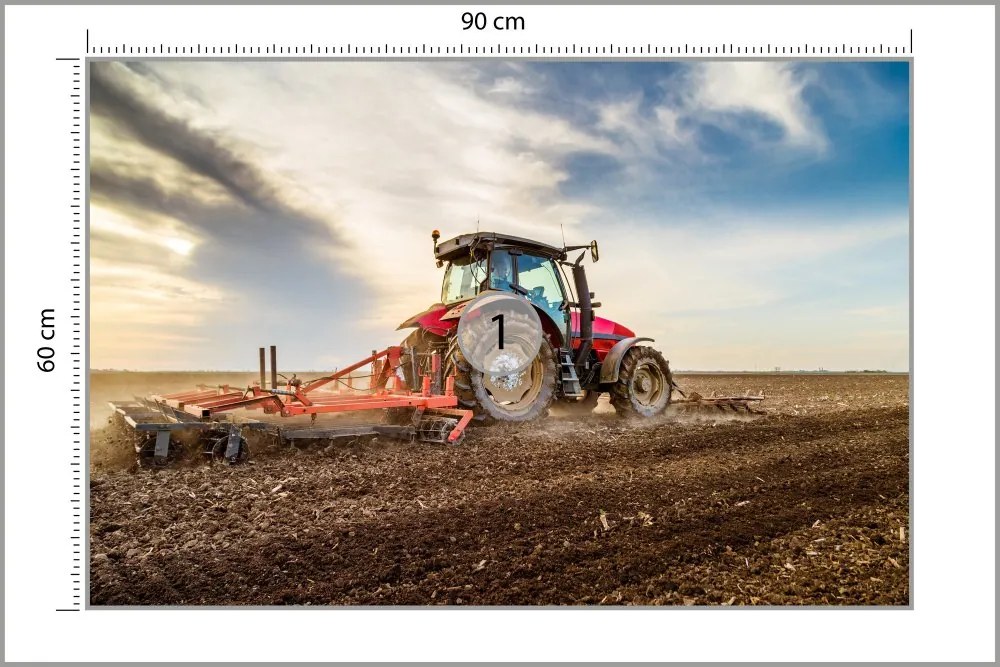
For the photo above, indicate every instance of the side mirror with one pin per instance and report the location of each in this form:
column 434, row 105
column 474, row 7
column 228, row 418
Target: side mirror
column 594, row 254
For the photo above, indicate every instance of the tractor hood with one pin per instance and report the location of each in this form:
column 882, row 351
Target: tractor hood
column 438, row 320
column 430, row 320
column 603, row 328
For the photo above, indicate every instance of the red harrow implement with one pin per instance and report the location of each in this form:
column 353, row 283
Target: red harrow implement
column 694, row 402
column 429, row 415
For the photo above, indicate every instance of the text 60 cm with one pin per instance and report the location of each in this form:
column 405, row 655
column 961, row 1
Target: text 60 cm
column 48, row 332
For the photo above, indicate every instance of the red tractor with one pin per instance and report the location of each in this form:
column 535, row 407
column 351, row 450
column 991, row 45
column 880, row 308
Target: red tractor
column 581, row 355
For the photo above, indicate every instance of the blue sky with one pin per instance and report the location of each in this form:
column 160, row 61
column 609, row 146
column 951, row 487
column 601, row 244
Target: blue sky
column 750, row 214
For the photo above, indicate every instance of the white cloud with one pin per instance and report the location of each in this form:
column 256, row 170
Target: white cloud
column 511, row 86
column 771, row 89
column 639, row 133
column 722, row 93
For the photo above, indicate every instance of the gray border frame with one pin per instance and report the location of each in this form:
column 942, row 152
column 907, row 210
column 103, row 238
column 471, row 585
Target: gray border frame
column 526, row 58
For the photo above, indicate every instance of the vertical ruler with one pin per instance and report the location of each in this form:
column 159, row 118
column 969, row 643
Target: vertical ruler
column 74, row 170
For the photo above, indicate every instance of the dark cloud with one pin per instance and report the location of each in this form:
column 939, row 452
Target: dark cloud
column 199, row 151
column 259, row 226
column 227, row 227
column 234, row 236
column 108, row 184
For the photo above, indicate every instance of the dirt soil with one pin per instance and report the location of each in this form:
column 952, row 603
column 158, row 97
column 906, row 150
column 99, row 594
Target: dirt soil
column 805, row 505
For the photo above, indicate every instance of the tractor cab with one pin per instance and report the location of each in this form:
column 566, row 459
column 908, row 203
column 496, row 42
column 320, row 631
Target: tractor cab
column 538, row 272
column 508, row 264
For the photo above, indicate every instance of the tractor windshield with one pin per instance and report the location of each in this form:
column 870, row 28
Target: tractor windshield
column 462, row 279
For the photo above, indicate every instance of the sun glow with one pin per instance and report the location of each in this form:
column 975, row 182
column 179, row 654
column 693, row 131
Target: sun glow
column 182, row 247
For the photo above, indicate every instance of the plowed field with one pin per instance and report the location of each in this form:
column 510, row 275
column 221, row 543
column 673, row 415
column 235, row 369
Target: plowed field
column 805, row 504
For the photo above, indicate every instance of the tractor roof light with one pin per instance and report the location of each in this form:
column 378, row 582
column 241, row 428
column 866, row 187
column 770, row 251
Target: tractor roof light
column 435, row 235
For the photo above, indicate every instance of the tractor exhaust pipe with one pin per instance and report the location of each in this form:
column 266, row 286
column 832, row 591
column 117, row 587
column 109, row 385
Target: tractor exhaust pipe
column 586, row 314
column 274, row 367
column 263, row 369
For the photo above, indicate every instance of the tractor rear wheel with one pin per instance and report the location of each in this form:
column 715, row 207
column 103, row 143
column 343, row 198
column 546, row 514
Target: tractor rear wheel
column 644, row 384
column 522, row 397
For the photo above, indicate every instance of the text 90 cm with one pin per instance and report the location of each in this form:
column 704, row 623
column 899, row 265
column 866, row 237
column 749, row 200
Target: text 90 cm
column 480, row 21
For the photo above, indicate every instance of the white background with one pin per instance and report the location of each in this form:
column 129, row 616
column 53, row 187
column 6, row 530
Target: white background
column 954, row 120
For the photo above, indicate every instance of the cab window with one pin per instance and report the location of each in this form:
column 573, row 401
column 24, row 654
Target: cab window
column 537, row 276
column 462, row 278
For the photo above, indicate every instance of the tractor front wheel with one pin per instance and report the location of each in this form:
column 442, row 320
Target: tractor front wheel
column 644, row 384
